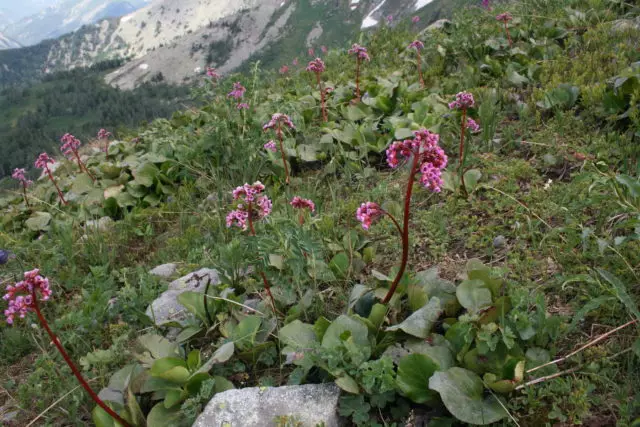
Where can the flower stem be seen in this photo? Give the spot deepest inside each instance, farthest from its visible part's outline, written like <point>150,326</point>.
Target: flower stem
<point>357,78</point>
<point>56,185</point>
<point>461,154</point>
<point>83,167</point>
<point>405,228</point>
<point>420,69</point>
<point>506,30</point>
<point>284,160</point>
<point>24,193</point>
<point>73,367</point>
<point>267,287</point>
<point>325,118</point>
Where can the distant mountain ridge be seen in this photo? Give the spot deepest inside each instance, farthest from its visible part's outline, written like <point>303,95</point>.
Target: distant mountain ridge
<point>8,43</point>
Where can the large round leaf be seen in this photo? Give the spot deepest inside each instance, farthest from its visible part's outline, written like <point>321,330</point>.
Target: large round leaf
<point>297,335</point>
<point>145,174</point>
<point>414,371</point>
<point>419,324</point>
<point>474,295</point>
<point>462,393</point>
<point>341,327</point>
<point>39,221</point>
<point>163,417</point>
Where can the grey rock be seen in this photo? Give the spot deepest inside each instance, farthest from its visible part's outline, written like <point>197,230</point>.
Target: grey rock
<point>103,224</point>
<point>310,405</point>
<point>499,241</point>
<point>166,307</point>
<point>440,24</point>
<point>621,25</point>
<point>165,270</point>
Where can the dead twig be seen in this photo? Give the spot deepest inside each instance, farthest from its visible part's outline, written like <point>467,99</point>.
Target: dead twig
<point>548,377</point>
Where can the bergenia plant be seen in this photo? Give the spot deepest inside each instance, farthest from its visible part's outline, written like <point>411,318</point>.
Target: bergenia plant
<point>251,205</point>
<point>238,93</point>
<point>278,120</point>
<point>18,175</point>
<point>324,49</point>
<point>464,101</point>
<point>415,19</point>
<point>104,135</point>
<point>311,52</point>
<point>486,4</point>
<point>42,162</point>
<point>427,158</point>
<point>361,54</point>
<point>417,45</point>
<point>212,73</point>
<point>505,18</point>
<point>284,69</point>
<point>317,66</point>
<point>25,297</point>
<point>303,205</point>
<point>70,146</point>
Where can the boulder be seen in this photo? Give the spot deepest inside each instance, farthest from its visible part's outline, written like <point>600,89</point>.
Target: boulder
<point>166,307</point>
<point>165,270</point>
<point>309,405</point>
<point>103,224</point>
<point>440,24</point>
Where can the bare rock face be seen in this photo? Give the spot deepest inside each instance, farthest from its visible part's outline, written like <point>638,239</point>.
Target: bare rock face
<point>165,270</point>
<point>309,405</point>
<point>166,307</point>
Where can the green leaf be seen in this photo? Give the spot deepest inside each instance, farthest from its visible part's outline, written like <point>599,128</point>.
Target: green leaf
<point>462,393</point>
<point>145,174</point>
<point>621,292</point>
<point>171,368</point>
<point>340,265</point>
<point>194,360</point>
<point>39,221</point>
<point>403,133</point>
<point>101,418</point>
<point>194,303</point>
<point>244,335</point>
<point>134,409</point>
<point>113,191</point>
<point>221,355</point>
<point>173,397</point>
<point>474,295</point>
<point>420,323</point>
<point>348,384</point>
<point>335,333</point>
<point>636,348</point>
<point>414,371</point>
<point>157,384</point>
<point>82,184</point>
<point>471,179</point>
<point>297,335</point>
<point>158,346</point>
<point>163,417</point>
<point>517,79</point>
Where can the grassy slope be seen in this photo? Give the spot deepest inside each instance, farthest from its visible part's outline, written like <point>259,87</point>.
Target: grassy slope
<point>538,167</point>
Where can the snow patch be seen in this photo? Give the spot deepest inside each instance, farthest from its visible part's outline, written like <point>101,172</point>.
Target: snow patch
<point>369,22</point>
<point>283,3</point>
<point>143,66</point>
<point>422,3</point>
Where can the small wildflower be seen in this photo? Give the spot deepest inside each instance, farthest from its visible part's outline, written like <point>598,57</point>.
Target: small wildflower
<point>70,144</point>
<point>284,69</point>
<point>389,19</point>
<point>242,106</point>
<point>417,45</point>
<point>473,126</point>
<point>311,52</point>
<point>300,203</point>
<point>294,62</point>
<point>250,198</point>
<point>212,73</point>
<point>248,192</point>
<point>367,213</point>
<point>360,52</point>
<point>239,218</point>
<point>547,185</point>
<point>316,66</point>
<point>19,175</point>
<point>415,19</point>
<point>20,296</point>
<point>279,118</point>
<point>270,146</point>
<point>104,134</point>
<point>504,17</point>
<point>463,101</point>
<point>4,256</point>
<point>486,4</point>
<point>324,49</point>
<point>237,92</point>
<point>43,161</point>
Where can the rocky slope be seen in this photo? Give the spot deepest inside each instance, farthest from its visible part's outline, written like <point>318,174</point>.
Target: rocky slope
<point>7,42</point>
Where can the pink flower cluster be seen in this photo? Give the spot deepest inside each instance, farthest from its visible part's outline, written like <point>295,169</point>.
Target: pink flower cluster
<point>279,118</point>
<point>213,73</point>
<point>324,49</point>
<point>18,175</point>
<point>486,4</point>
<point>270,146</point>
<point>367,213</point>
<point>504,17</point>
<point>20,296</point>
<point>103,134</point>
<point>415,19</point>
<point>431,157</point>
<point>417,45</point>
<point>473,126</point>
<point>242,106</point>
<point>284,69</point>
<point>43,160</point>
<point>390,19</point>
<point>300,203</point>
<point>316,66</point>
<point>463,101</point>
<point>237,92</point>
<point>252,202</point>
<point>360,52</point>
<point>70,144</point>
<point>294,62</point>
<point>311,52</point>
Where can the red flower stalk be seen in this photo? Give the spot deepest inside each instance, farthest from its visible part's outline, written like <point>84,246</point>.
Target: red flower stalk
<point>103,135</point>
<point>299,203</point>
<point>317,66</point>
<point>70,148</point>
<point>361,54</point>
<point>418,46</point>
<point>464,101</point>
<point>251,204</point>
<point>428,159</point>
<point>505,18</point>
<point>42,162</point>
<point>23,298</point>
<point>18,175</point>
<point>276,122</point>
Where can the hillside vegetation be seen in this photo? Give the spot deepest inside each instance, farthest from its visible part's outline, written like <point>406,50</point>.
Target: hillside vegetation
<point>470,255</point>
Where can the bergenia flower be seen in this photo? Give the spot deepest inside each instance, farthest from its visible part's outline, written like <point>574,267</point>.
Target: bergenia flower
<point>270,146</point>
<point>242,106</point>
<point>359,51</point>
<point>279,118</point>
<point>284,69</point>
<point>390,19</point>
<point>486,4</point>
<point>504,17</point>
<point>238,218</point>
<point>415,19</point>
<point>103,134</point>
<point>70,144</point>
<point>417,45</point>
<point>19,175</point>
<point>300,203</point>
<point>294,62</point>
<point>212,73</point>
<point>464,100</point>
<point>237,92</point>
<point>311,52</point>
<point>20,296</point>
<point>473,126</point>
<point>316,66</point>
<point>248,192</point>
<point>324,49</point>
<point>368,213</point>
<point>43,161</point>
<point>251,203</point>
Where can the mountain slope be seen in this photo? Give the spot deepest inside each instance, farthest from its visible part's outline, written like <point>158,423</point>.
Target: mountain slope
<point>8,43</point>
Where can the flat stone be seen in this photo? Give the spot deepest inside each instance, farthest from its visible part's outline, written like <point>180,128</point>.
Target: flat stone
<point>166,307</point>
<point>309,405</point>
<point>165,270</point>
